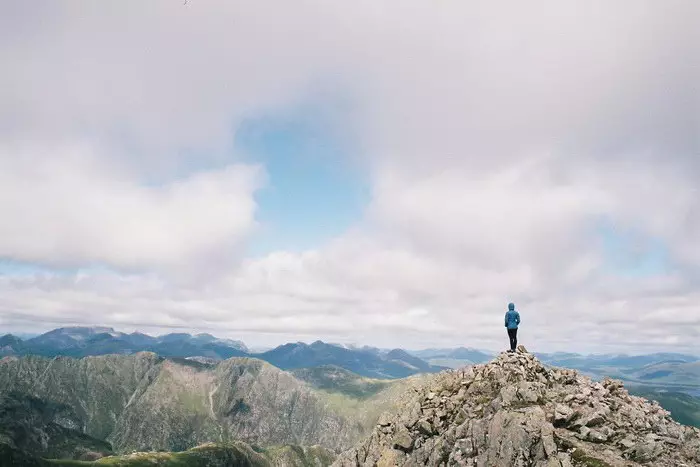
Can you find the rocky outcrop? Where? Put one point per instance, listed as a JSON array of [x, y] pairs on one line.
[[514, 411]]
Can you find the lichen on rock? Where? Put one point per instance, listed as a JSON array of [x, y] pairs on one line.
[[515, 411]]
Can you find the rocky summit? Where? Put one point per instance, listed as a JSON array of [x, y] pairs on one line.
[[515, 411]]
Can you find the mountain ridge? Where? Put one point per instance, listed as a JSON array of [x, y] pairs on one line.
[[147, 402], [515, 411], [81, 342]]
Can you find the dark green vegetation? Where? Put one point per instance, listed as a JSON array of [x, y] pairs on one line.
[[85, 408], [146, 403], [207, 455], [216, 455], [684, 408], [454, 358], [46, 429], [83, 341], [335, 379]]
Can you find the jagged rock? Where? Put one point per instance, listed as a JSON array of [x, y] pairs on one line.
[[514, 411], [627, 443], [562, 414], [384, 419], [645, 452], [593, 419], [403, 440], [425, 428], [597, 437], [583, 433]]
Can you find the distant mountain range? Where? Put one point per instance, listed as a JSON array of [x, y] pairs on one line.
[[57, 406], [91, 341], [85, 341], [670, 370]]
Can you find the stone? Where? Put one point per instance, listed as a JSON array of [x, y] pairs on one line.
[[508, 395], [562, 414], [465, 446], [547, 437], [596, 436], [583, 432], [388, 458], [460, 417], [593, 419], [627, 443], [384, 419], [672, 441], [403, 440], [425, 427], [644, 452], [527, 394], [516, 412]]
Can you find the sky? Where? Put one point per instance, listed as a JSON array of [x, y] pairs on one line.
[[382, 173]]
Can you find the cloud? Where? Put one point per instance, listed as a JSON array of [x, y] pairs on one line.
[[65, 209], [498, 139]]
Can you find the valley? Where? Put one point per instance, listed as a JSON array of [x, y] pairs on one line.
[[142, 408]]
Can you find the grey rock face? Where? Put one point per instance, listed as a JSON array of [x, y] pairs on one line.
[[514, 411]]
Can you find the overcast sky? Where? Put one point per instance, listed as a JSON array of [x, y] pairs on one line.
[[384, 173]]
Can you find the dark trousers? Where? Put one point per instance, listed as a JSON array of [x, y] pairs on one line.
[[513, 336]]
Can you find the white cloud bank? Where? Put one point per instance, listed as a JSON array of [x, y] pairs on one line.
[[497, 138]]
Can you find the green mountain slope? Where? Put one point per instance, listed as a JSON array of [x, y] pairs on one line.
[[143, 402], [216, 455], [684, 408], [45, 429], [208, 455], [335, 379]]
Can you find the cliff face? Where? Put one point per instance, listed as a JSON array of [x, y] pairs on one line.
[[240, 399], [514, 411], [143, 402]]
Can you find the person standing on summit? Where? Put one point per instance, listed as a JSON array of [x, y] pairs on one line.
[[512, 322]]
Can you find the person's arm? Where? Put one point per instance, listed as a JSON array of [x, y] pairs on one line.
[[506, 320], [517, 318]]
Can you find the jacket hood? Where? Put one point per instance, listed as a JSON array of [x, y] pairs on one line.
[[511, 306]]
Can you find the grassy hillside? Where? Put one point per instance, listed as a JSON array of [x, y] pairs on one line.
[[208, 455], [331, 378], [45, 429], [143, 402], [684, 408], [215, 455]]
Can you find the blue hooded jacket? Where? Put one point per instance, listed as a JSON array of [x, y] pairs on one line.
[[512, 317]]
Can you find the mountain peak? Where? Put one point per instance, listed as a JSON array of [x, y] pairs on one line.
[[516, 411], [9, 339]]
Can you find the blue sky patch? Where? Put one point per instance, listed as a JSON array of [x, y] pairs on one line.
[[631, 253], [313, 192]]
